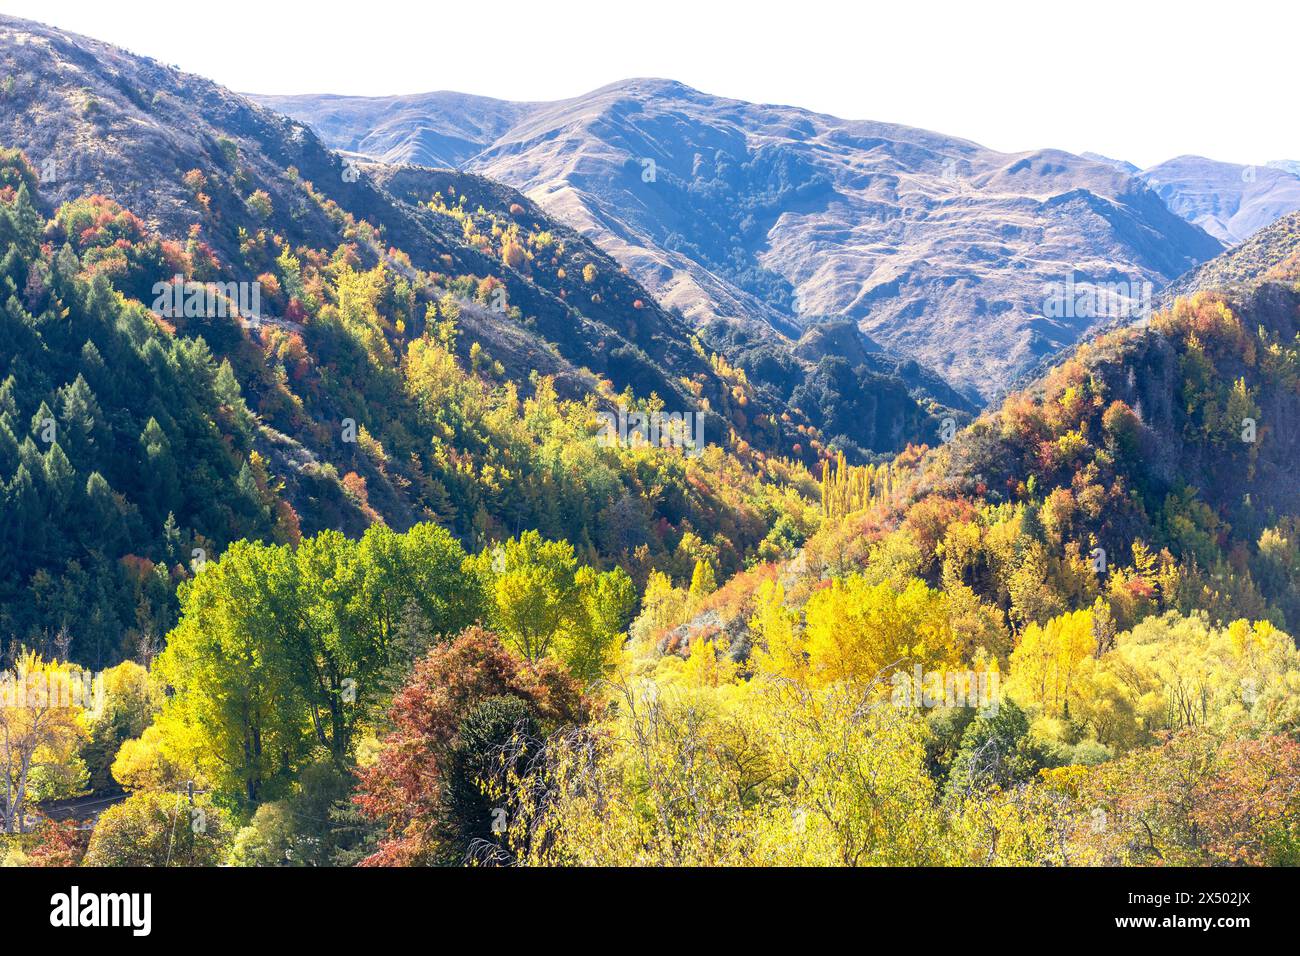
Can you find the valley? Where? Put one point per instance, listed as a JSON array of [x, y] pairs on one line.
[[642, 479]]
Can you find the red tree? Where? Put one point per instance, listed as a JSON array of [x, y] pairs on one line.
[[404, 787], [57, 844]]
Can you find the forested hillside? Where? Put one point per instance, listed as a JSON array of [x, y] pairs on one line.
[[180, 435], [1062, 638], [202, 165]]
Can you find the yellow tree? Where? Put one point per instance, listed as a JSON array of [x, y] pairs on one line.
[[42, 707], [666, 779], [662, 606], [123, 709], [855, 789], [542, 602], [779, 651], [703, 583], [856, 631], [1050, 666]]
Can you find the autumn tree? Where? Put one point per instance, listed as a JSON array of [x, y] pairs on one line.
[[235, 709], [160, 829], [424, 778], [42, 706], [856, 631], [1051, 664], [126, 704], [57, 843], [280, 652], [543, 603]]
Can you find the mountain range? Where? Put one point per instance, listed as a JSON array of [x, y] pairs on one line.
[[939, 250], [870, 278], [1229, 201]]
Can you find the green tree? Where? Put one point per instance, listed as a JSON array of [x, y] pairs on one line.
[[543, 603], [996, 750], [235, 708], [126, 706], [160, 829]]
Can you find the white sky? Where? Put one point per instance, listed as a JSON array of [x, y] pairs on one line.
[[1138, 80]]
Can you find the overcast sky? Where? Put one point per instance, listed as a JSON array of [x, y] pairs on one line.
[[1142, 81]]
